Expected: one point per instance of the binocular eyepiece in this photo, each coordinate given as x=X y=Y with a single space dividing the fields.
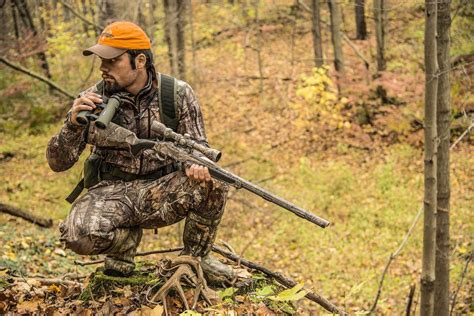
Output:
x=102 y=114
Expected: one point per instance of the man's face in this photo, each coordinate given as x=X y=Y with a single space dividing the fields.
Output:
x=118 y=73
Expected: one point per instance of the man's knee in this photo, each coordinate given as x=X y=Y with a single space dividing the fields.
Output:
x=83 y=239
x=214 y=197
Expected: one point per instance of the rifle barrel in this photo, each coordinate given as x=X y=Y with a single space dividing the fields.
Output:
x=238 y=182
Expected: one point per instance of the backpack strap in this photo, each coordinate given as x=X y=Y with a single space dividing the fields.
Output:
x=168 y=111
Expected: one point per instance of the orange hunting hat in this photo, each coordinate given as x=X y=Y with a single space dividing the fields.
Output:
x=117 y=38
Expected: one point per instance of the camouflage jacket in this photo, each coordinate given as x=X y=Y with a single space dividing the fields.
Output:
x=136 y=114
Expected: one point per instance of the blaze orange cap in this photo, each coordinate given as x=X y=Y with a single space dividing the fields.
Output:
x=117 y=38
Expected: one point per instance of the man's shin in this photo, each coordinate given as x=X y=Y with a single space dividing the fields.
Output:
x=199 y=234
x=122 y=251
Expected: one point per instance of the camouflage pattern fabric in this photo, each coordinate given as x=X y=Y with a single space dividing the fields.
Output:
x=109 y=218
x=136 y=114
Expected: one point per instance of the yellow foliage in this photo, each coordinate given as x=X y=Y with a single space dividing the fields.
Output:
x=318 y=101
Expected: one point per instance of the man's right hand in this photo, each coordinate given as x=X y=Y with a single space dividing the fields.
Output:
x=85 y=103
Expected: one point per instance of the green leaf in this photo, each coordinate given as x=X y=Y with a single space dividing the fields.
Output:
x=228 y=292
x=265 y=291
x=292 y=294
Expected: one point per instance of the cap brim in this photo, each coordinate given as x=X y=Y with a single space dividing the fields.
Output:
x=104 y=51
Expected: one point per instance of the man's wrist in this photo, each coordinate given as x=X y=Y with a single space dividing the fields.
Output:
x=70 y=124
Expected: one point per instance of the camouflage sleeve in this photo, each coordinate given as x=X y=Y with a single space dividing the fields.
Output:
x=190 y=115
x=65 y=148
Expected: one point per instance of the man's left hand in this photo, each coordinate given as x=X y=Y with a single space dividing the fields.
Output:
x=199 y=173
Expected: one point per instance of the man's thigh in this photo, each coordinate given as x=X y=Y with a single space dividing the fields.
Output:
x=89 y=227
x=168 y=200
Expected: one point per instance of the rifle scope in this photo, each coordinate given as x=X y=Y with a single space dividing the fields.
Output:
x=185 y=141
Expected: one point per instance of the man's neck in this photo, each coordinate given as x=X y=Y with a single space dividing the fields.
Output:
x=138 y=84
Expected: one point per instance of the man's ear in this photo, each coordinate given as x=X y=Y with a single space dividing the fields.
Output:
x=140 y=61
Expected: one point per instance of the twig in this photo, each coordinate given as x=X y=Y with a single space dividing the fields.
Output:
x=394 y=254
x=68 y=6
x=410 y=299
x=287 y=282
x=36 y=76
x=468 y=130
x=45 y=281
x=464 y=272
x=139 y=254
x=26 y=216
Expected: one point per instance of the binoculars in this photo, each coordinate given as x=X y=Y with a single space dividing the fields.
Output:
x=102 y=114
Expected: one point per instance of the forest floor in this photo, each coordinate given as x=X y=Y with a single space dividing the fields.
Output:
x=357 y=162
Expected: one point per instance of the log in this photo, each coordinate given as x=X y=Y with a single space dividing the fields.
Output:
x=8 y=209
x=280 y=278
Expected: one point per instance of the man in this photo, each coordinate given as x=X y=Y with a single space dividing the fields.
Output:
x=132 y=193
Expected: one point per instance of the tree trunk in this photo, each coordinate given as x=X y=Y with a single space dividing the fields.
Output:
x=443 y=126
x=430 y=162
x=152 y=20
x=107 y=12
x=361 y=27
x=335 y=13
x=15 y=23
x=85 y=26
x=317 y=40
x=259 y=44
x=25 y=15
x=380 y=33
x=194 y=60
x=174 y=34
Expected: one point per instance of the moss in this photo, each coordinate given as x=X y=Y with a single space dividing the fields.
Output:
x=101 y=284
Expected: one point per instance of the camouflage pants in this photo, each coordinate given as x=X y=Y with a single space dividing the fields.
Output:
x=109 y=218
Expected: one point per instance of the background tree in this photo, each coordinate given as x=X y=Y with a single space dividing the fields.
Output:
x=316 y=29
x=107 y=12
x=21 y=6
x=175 y=11
x=430 y=162
x=443 y=125
x=361 y=27
x=380 y=33
x=335 y=14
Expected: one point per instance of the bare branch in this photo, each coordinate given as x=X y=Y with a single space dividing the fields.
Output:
x=36 y=76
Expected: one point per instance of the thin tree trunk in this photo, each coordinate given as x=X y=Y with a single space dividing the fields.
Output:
x=317 y=40
x=380 y=33
x=335 y=14
x=430 y=162
x=152 y=24
x=15 y=23
x=259 y=44
x=181 y=39
x=174 y=35
x=22 y=7
x=107 y=12
x=85 y=25
x=194 y=60
x=361 y=27
x=443 y=125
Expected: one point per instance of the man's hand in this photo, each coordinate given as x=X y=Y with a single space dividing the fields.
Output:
x=85 y=103
x=197 y=172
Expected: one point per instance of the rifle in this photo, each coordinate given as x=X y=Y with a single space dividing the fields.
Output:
x=181 y=148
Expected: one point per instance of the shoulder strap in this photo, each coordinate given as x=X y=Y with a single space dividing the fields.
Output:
x=168 y=112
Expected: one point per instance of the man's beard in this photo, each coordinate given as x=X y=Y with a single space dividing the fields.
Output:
x=112 y=87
